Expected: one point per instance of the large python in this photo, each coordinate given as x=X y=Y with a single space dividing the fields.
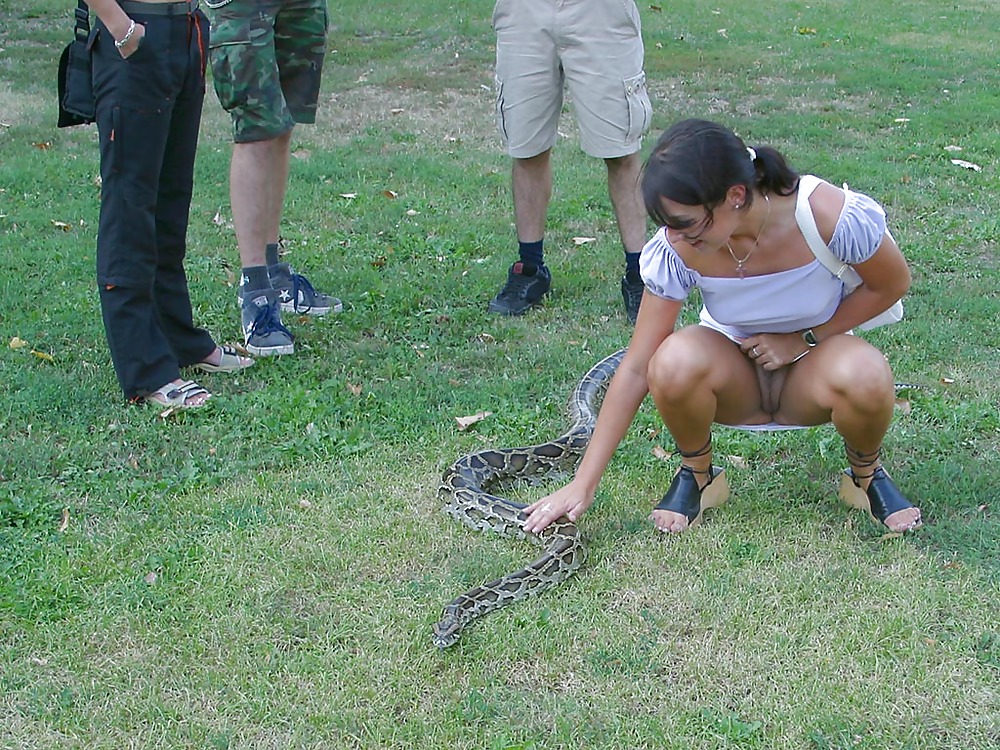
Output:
x=466 y=489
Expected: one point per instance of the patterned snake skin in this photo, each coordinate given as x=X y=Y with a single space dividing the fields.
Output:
x=465 y=490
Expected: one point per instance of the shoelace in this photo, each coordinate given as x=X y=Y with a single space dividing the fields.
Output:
x=301 y=283
x=268 y=321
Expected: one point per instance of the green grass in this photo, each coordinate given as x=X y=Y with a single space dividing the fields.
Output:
x=265 y=573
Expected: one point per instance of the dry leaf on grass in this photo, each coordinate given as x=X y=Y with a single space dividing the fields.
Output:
x=583 y=240
x=947 y=381
x=43 y=356
x=17 y=343
x=390 y=194
x=903 y=405
x=738 y=461
x=967 y=165
x=465 y=423
x=952 y=147
x=661 y=453
x=61 y=225
x=43 y=146
x=150 y=577
x=349 y=196
x=354 y=389
x=64 y=523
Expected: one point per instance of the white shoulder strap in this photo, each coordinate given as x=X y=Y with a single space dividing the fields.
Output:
x=807 y=225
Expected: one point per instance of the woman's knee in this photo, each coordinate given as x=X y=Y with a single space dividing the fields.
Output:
x=677 y=367
x=862 y=376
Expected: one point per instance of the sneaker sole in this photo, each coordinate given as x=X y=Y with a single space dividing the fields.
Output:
x=270 y=351
x=502 y=310
x=289 y=307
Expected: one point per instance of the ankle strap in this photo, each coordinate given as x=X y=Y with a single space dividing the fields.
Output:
x=703 y=451
x=860 y=460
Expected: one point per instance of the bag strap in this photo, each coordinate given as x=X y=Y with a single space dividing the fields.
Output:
x=82 y=13
x=807 y=225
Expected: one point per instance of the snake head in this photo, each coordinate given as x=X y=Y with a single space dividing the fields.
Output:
x=446 y=631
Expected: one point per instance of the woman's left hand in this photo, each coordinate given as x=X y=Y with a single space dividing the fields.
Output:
x=772 y=351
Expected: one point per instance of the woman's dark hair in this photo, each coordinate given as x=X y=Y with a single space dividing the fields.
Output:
x=696 y=161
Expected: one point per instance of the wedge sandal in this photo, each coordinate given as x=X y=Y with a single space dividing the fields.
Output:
x=684 y=496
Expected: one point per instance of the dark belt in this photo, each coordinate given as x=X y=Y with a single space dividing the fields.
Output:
x=159 y=9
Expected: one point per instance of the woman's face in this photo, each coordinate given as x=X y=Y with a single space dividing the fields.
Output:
x=693 y=224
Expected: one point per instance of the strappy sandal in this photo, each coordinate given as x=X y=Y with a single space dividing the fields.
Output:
x=685 y=497
x=882 y=498
x=177 y=395
x=230 y=361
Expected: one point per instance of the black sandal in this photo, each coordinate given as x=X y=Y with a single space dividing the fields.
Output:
x=685 y=497
x=882 y=498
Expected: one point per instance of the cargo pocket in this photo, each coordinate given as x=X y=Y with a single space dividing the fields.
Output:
x=640 y=111
x=232 y=62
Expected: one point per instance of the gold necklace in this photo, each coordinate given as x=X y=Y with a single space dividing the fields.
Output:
x=740 y=262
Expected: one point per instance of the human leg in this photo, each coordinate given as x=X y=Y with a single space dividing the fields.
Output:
x=630 y=214
x=849 y=382
x=698 y=377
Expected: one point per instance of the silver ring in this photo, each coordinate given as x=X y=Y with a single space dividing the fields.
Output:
x=753 y=352
x=547 y=507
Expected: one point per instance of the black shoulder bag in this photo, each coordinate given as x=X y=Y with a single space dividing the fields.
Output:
x=76 y=87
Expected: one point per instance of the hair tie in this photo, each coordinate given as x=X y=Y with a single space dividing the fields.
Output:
x=753 y=154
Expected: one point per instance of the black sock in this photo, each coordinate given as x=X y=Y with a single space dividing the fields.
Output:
x=632 y=266
x=254 y=278
x=271 y=254
x=531 y=253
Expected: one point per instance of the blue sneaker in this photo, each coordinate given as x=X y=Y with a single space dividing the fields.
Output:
x=263 y=332
x=297 y=295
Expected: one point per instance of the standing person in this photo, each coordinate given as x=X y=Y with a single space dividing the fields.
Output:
x=267 y=60
x=595 y=48
x=773 y=345
x=149 y=84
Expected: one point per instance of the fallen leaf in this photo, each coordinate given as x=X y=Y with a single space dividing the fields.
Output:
x=217 y=219
x=465 y=423
x=738 y=461
x=583 y=240
x=411 y=212
x=981 y=508
x=302 y=153
x=354 y=389
x=305 y=504
x=722 y=33
x=43 y=356
x=390 y=194
x=64 y=523
x=805 y=30
x=903 y=405
x=947 y=381
x=150 y=577
x=397 y=110
x=890 y=535
x=902 y=119
x=43 y=146
x=952 y=147
x=967 y=165
x=379 y=261
x=61 y=225
x=661 y=454
x=349 y=196
x=485 y=338
x=656 y=8
x=17 y=343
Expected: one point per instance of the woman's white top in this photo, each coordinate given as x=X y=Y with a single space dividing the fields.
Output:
x=781 y=302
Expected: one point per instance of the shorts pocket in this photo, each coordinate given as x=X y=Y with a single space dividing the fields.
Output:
x=231 y=57
x=640 y=111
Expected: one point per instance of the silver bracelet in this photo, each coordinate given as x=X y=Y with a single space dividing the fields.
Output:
x=119 y=43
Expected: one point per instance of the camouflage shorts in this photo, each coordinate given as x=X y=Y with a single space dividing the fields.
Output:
x=267 y=60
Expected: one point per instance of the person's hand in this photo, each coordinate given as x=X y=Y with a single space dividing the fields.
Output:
x=135 y=41
x=772 y=351
x=568 y=501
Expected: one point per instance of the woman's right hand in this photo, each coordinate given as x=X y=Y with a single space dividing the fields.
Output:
x=569 y=501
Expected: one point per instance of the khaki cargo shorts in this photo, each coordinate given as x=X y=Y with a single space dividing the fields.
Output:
x=267 y=60
x=593 y=48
